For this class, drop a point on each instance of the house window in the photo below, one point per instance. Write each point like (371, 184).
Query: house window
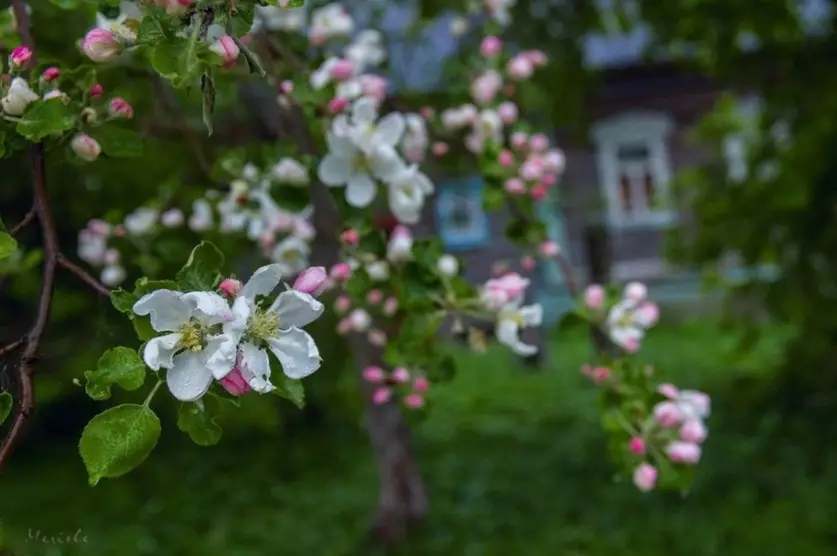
(634, 171)
(462, 221)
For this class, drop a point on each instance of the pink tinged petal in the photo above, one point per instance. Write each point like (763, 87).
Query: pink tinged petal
(668, 390)
(234, 383)
(189, 378)
(311, 280)
(360, 190)
(255, 367)
(158, 352)
(381, 396)
(645, 477)
(166, 308)
(693, 431)
(297, 353)
(667, 414)
(334, 170)
(683, 452)
(296, 309)
(263, 281)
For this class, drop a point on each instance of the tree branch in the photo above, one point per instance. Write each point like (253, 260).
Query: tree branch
(82, 275)
(30, 216)
(8, 348)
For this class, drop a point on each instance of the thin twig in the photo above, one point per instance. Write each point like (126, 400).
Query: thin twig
(8, 348)
(82, 275)
(30, 216)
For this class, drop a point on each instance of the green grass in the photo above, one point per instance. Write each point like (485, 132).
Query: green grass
(514, 464)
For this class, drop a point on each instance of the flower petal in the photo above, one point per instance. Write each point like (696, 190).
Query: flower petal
(158, 352)
(242, 309)
(364, 111)
(296, 309)
(334, 170)
(360, 190)
(386, 163)
(255, 368)
(189, 378)
(221, 352)
(209, 307)
(507, 334)
(262, 282)
(532, 315)
(297, 353)
(167, 308)
(390, 129)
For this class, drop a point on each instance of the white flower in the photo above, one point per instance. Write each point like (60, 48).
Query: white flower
(457, 118)
(18, 97)
(289, 171)
(321, 76)
(415, 140)
(248, 208)
(91, 246)
(192, 351)
(274, 18)
(499, 10)
(366, 50)
(201, 217)
(141, 221)
(378, 271)
(459, 26)
(448, 266)
(400, 246)
(172, 218)
(488, 127)
(360, 151)
(407, 191)
(112, 275)
(277, 328)
(328, 22)
(124, 24)
(511, 319)
(291, 255)
(627, 322)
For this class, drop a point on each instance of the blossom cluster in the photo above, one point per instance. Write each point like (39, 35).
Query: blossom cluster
(225, 336)
(410, 386)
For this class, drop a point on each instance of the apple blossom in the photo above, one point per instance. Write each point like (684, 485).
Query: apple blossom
(627, 322)
(448, 266)
(514, 186)
(201, 218)
(511, 319)
(421, 384)
(520, 68)
(401, 375)
(119, 108)
(18, 97)
(50, 74)
(408, 188)
(235, 383)
(594, 296)
(636, 291)
(381, 396)
(291, 254)
(374, 296)
(683, 452)
(311, 280)
(414, 400)
(377, 338)
(101, 45)
(230, 287)
(340, 272)
(693, 431)
(172, 218)
(508, 112)
(330, 21)
(85, 147)
(637, 446)
(360, 320)
(440, 148)
(528, 262)
(96, 91)
(390, 306)
(549, 248)
(367, 50)
(374, 374)
(141, 220)
(378, 271)
(57, 94)
(289, 171)
(112, 275)
(400, 246)
(645, 477)
(491, 46)
(667, 414)
(486, 86)
(19, 57)
(227, 49)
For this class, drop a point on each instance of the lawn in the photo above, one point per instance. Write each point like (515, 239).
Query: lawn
(514, 463)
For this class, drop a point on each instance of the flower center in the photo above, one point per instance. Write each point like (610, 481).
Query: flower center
(264, 324)
(625, 320)
(292, 256)
(361, 163)
(191, 336)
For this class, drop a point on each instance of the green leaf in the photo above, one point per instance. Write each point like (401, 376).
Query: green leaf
(203, 269)
(194, 419)
(118, 440)
(208, 106)
(118, 142)
(151, 30)
(6, 403)
(46, 117)
(121, 366)
(123, 301)
(252, 60)
(8, 245)
(290, 389)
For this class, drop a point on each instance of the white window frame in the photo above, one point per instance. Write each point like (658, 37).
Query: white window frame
(651, 129)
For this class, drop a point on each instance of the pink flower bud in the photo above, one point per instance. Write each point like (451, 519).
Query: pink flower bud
(520, 68)
(286, 87)
(631, 345)
(539, 142)
(414, 400)
(234, 383)
(508, 112)
(636, 291)
(667, 414)
(119, 108)
(226, 48)
(549, 248)
(344, 326)
(549, 180)
(537, 57)
(528, 262)
(515, 186)
(600, 375)
(401, 375)
(648, 314)
(342, 70)
(377, 338)
(101, 45)
(85, 147)
(693, 431)
(505, 158)
(637, 446)
(440, 148)
(342, 304)
(683, 452)
(351, 237)
(594, 296)
(50, 74)
(390, 306)
(381, 396)
(421, 384)
(96, 91)
(491, 46)
(645, 477)
(519, 140)
(668, 390)
(230, 287)
(19, 57)
(374, 86)
(539, 192)
(311, 280)
(337, 105)
(374, 374)
(360, 320)
(341, 272)
(374, 297)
